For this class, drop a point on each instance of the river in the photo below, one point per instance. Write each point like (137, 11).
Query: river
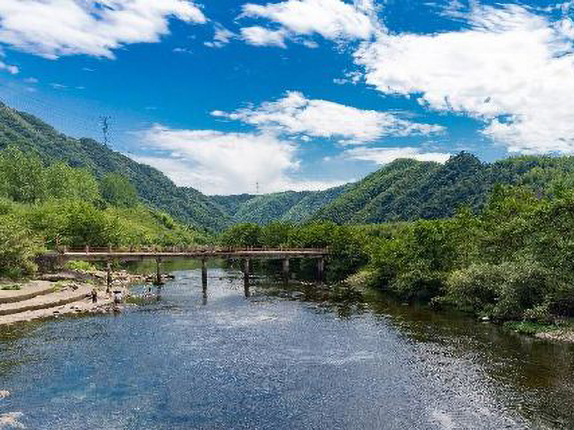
(278, 359)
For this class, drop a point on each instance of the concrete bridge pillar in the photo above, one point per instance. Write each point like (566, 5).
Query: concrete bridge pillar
(286, 269)
(320, 269)
(246, 268)
(204, 273)
(158, 280)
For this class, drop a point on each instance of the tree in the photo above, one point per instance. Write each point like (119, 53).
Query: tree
(63, 181)
(118, 191)
(18, 247)
(21, 176)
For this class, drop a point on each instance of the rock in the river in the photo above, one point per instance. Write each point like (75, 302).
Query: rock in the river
(11, 420)
(4, 394)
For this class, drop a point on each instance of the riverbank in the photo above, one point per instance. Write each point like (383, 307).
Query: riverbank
(560, 331)
(65, 293)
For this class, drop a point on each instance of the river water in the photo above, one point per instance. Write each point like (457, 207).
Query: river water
(279, 358)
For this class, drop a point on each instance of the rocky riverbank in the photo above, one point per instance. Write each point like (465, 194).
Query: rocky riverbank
(64, 293)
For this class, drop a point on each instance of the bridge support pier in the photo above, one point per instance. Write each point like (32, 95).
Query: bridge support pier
(204, 273)
(109, 276)
(320, 269)
(158, 280)
(286, 269)
(246, 268)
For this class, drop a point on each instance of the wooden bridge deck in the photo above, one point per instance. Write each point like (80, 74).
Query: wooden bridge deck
(102, 254)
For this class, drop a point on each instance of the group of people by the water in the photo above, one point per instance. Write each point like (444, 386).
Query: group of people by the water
(118, 296)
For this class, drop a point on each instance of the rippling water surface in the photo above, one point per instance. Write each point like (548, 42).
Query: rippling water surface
(278, 359)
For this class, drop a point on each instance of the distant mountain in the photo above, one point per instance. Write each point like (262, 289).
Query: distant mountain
(405, 190)
(293, 206)
(154, 188)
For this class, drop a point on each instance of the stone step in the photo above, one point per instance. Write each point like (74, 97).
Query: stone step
(28, 291)
(52, 300)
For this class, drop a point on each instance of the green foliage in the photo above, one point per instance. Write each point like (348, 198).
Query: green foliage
(81, 266)
(32, 136)
(513, 261)
(21, 176)
(346, 243)
(18, 248)
(242, 235)
(118, 191)
(70, 212)
(508, 291)
(65, 182)
(14, 287)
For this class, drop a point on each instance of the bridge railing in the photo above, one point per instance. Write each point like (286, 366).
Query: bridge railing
(181, 249)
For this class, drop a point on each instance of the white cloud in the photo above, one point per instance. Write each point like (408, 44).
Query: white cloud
(387, 155)
(53, 28)
(13, 70)
(296, 115)
(332, 19)
(221, 38)
(180, 50)
(510, 68)
(218, 162)
(260, 36)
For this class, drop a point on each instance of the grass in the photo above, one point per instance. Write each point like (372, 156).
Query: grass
(532, 328)
(14, 287)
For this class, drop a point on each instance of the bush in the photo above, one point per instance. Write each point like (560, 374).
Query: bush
(81, 266)
(513, 290)
(18, 249)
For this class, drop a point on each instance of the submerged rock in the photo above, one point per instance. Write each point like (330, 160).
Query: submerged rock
(4, 394)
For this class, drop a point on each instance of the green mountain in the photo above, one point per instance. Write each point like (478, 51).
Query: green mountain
(401, 190)
(405, 190)
(410, 189)
(185, 204)
(292, 206)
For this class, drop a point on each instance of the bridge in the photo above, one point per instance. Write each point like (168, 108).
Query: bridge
(159, 254)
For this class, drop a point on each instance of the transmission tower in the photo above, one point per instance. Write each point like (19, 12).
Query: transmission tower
(105, 123)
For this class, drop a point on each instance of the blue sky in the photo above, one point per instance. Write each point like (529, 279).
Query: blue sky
(298, 94)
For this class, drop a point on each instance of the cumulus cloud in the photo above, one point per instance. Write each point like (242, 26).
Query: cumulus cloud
(387, 155)
(294, 114)
(510, 67)
(54, 28)
(216, 162)
(221, 38)
(260, 36)
(331, 19)
(13, 70)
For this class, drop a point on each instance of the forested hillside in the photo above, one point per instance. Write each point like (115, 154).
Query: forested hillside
(34, 136)
(409, 190)
(291, 206)
(401, 190)
(405, 190)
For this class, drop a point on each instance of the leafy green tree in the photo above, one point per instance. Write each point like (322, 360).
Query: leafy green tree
(18, 248)
(118, 191)
(242, 235)
(63, 181)
(21, 176)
